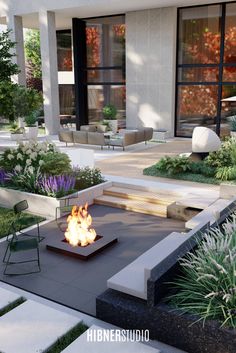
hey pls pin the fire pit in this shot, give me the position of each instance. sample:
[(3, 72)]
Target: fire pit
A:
[(80, 240)]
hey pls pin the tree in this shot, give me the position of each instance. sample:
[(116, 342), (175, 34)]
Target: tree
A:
[(33, 59), (7, 67), (32, 52)]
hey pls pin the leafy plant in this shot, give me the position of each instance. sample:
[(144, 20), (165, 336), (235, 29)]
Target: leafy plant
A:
[(7, 52), (56, 163), (226, 173), (57, 186), (31, 119), (202, 168), (86, 177), (26, 101), (26, 179), (15, 129), (174, 165), (232, 122), (7, 94), (109, 112), (32, 52), (222, 157), (26, 154), (207, 286)]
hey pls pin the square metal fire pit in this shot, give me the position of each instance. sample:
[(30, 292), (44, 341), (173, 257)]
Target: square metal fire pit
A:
[(59, 245)]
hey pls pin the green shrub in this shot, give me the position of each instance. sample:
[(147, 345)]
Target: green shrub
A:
[(232, 122), (56, 163), (29, 154), (86, 177), (109, 112), (174, 165), (207, 284), (30, 120), (224, 157), (226, 173)]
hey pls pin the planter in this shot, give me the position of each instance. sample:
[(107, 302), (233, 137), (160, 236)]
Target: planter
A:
[(164, 324), (31, 132), (17, 137), (21, 122), (45, 205), (113, 124)]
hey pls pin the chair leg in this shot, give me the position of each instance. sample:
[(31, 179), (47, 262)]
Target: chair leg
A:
[(5, 255)]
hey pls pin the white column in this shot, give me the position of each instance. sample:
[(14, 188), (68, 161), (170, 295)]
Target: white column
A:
[(14, 23), (48, 46)]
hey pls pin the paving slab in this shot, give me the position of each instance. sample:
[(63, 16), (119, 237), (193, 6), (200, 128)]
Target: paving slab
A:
[(33, 327), (82, 345), (7, 297)]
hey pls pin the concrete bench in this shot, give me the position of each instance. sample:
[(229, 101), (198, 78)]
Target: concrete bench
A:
[(160, 258), (212, 213)]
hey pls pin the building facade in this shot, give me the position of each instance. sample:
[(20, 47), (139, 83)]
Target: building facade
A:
[(163, 63)]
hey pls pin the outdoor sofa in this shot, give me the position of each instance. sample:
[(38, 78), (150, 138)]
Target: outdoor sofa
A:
[(96, 135)]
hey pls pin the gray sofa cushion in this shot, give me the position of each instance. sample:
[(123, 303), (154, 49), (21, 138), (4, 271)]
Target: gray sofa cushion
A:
[(140, 135), (80, 137), (65, 136), (96, 138), (88, 128), (101, 128)]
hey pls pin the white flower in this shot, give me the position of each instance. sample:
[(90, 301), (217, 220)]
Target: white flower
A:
[(28, 151), (18, 168), (19, 156), (33, 155), (41, 153), (41, 162), (10, 157), (31, 170), (28, 161)]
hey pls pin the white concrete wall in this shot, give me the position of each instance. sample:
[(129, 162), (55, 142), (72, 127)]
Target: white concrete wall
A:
[(150, 68)]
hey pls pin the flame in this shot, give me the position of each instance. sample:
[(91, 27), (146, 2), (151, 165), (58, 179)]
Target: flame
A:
[(78, 232)]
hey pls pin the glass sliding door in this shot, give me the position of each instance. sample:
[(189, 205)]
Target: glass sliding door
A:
[(205, 66), (105, 70)]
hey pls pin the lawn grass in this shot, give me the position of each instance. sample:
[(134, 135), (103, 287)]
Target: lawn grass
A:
[(7, 215), (67, 339), (12, 306), (197, 178)]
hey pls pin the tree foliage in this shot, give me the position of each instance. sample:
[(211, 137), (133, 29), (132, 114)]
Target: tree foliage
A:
[(32, 53), (7, 67)]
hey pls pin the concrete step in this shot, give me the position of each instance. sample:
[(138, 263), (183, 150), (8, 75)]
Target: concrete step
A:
[(132, 205), (7, 297), (140, 195), (33, 327), (82, 345)]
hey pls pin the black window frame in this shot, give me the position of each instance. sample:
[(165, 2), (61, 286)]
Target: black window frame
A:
[(81, 69), (220, 66)]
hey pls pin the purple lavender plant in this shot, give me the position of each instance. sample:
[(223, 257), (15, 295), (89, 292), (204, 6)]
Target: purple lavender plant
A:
[(57, 186), (3, 177)]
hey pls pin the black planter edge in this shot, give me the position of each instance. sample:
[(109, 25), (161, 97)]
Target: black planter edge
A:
[(165, 324)]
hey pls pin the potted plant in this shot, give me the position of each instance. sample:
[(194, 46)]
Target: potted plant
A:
[(17, 133), (31, 126), (232, 123), (26, 101), (109, 113)]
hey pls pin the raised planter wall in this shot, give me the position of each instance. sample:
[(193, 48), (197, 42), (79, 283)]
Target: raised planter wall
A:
[(45, 205)]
